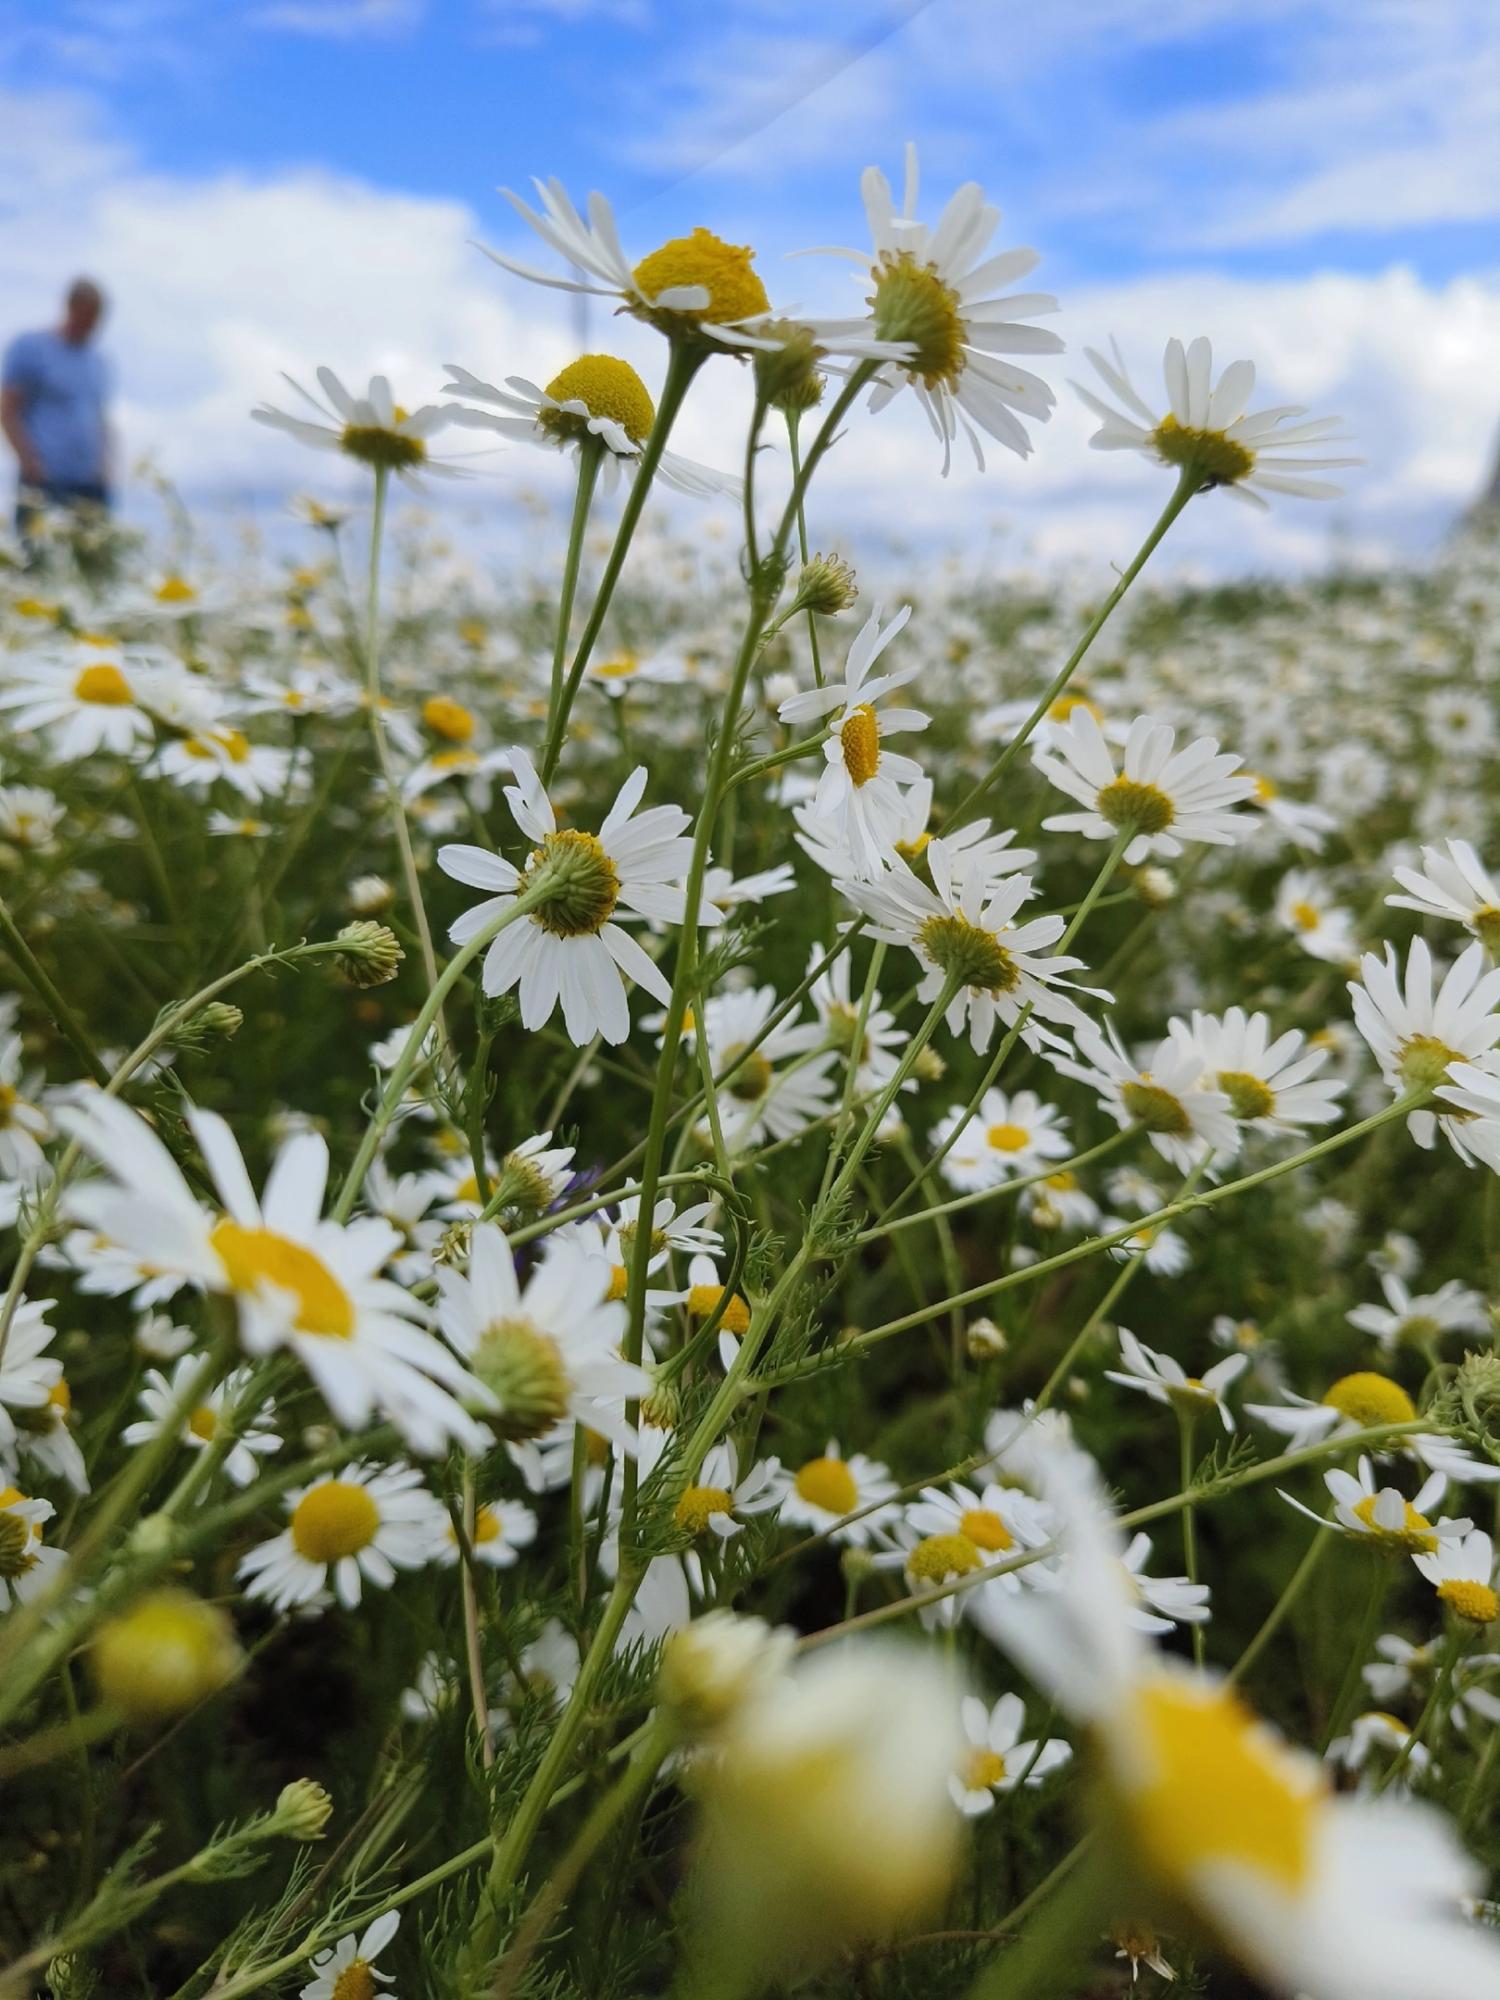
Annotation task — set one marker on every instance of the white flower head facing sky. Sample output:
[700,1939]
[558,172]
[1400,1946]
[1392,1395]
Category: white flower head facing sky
[1206,428]
[299,1281]
[570,949]
[595,399]
[1161,796]
[1455,886]
[358,1525]
[963,927]
[1165,1095]
[372,429]
[1423,1031]
[937,287]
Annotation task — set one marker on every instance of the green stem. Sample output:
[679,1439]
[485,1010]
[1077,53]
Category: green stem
[590,458]
[1301,1576]
[37,976]
[1187,1423]
[1380,1583]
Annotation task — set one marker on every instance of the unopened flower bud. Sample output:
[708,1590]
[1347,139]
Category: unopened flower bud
[217,1022]
[303,1809]
[929,1066]
[1155,887]
[787,377]
[826,585]
[368,954]
[985,1340]
[525,1372]
[370,894]
[165,1653]
[857,1566]
[712,1667]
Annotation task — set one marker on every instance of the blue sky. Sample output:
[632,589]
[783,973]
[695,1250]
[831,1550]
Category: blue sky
[1330,163]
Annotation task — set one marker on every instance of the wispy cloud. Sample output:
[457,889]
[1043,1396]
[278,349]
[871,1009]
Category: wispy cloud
[340,20]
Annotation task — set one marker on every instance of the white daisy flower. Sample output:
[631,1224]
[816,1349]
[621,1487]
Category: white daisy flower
[824,1491]
[568,948]
[1376,1737]
[1420,1319]
[207,756]
[299,1282]
[1360,1402]
[963,925]
[1206,430]
[823,842]
[935,288]
[1418,1031]
[502,1528]
[1321,927]
[995,1759]
[720,1499]
[546,1350]
[1160,1601]
[1456,886]
[28,1373]
[1166,1381]
[1271,1085]
[1313,1891]
[348,1971]
[1304,825]
[957,1530]
[727,892]
[1382,1515]
[359,1525]
[1059,1202]
[1163,1251]
[95,697]
[26,1561]
[161,1395]
[1006,1138]
[783,1085]
[372,428]
[1187,1123]
[860,786]
[23,1122]
[838,1008]
[1463,1575]
[594,399]
[30,816]
[1163,797]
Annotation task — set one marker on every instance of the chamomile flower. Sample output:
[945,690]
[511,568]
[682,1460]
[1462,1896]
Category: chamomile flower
[372,429]
[1419,1028]
[1363,1401]
[595,399]
[94,697]
[720,1498]
[299,1282]
[860,788]
[348,1972]
[1463,1575]
[1456,886]
[959,1531]
[1206,432]
[995,1759]
[1165,1096]
[1420,1319]
[30,816]
[1375,1737]
[161,1395]
[1161,796]
[28,1373]
[26,1561]
[780,1083]
[877,1056]
[963,928]
[222,753]
[823,1492]
[935,287]
[23,1122]
[1008,1137]
[1159,1602]
[545,1350]
[502,1528]
[1165,1380]
[1381,1516]
[1061,1201]
[568,948]
[823,842]
[1319,924]
[1271,1085]
[357,1526]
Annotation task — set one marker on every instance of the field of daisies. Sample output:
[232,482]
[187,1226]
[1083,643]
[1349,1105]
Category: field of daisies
[726,1276]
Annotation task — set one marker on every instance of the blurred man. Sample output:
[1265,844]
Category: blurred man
[54,386]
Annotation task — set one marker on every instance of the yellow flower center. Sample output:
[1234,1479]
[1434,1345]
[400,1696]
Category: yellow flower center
[621,668]
[698,1506]
[17,1536]
[60,1396]
[1423,1060]
[975,955]
[725,270]
[1067,702]
[486,1526]
[913,850]
[1265,789]
[231,743]
[1216,1789]
[334,1520]
[1248,1096]
[827,1483]
[1305,917]
[1474,1602]
[859,739]
[985,1529]
[174,590]
[446,717]
[704,1299]
[1156,1109]
[1008,1138]
[983,1768]
[104,685]
[912,303]
[586,887]
[1219,459]
[938,1557]
[1485,925]
[619,1282]
[606,388]
[256,1258]
[1368,1399]
[355,1982]
[203,1423]
[1414,1533]
[752,1076]
[1127,803]
[383,450]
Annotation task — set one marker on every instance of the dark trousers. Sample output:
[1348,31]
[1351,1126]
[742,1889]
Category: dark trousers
[33,501]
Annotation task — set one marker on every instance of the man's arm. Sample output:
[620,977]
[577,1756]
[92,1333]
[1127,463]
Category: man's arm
[13,423]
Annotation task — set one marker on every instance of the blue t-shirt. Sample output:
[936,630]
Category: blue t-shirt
[63,389]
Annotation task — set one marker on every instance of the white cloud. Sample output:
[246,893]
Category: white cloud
[340,20]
